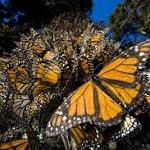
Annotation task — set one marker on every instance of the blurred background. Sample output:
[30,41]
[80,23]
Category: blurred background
[128,20]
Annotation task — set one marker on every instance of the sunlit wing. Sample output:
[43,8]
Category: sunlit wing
[88,103]
[125,95]
[148,99]
[124,70]
[49,55]
[48,72]
[121,71]
[123,78]
[14,145]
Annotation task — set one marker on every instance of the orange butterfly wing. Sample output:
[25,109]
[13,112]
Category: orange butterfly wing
[15,145]
[125,68]
[122,76]
[46,69]
[148,99]
[85,137]
[48,72]
[19,79]
[39,87]
[88,103]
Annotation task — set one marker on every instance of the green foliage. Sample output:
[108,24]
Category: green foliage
[131,16]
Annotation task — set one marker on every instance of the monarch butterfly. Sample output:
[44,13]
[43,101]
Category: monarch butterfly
[45,68]
[92,35]
[38,102]
[98,51]
[19,79]
[34,43]
[15,145]
[86,137]
[38,87]
[104,101]
[148,99]
[20,103]
[86,66]
[93,41]
[48,72]
[49,55]
[96,38]
[3,63]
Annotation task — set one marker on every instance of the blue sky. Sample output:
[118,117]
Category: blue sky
[102,9]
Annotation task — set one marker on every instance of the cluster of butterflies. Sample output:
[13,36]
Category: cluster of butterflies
[79,97]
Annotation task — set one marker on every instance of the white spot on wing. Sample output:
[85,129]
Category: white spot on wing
[141,54]
[136,49]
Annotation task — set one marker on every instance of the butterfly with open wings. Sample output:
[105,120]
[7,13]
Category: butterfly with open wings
[118,88]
